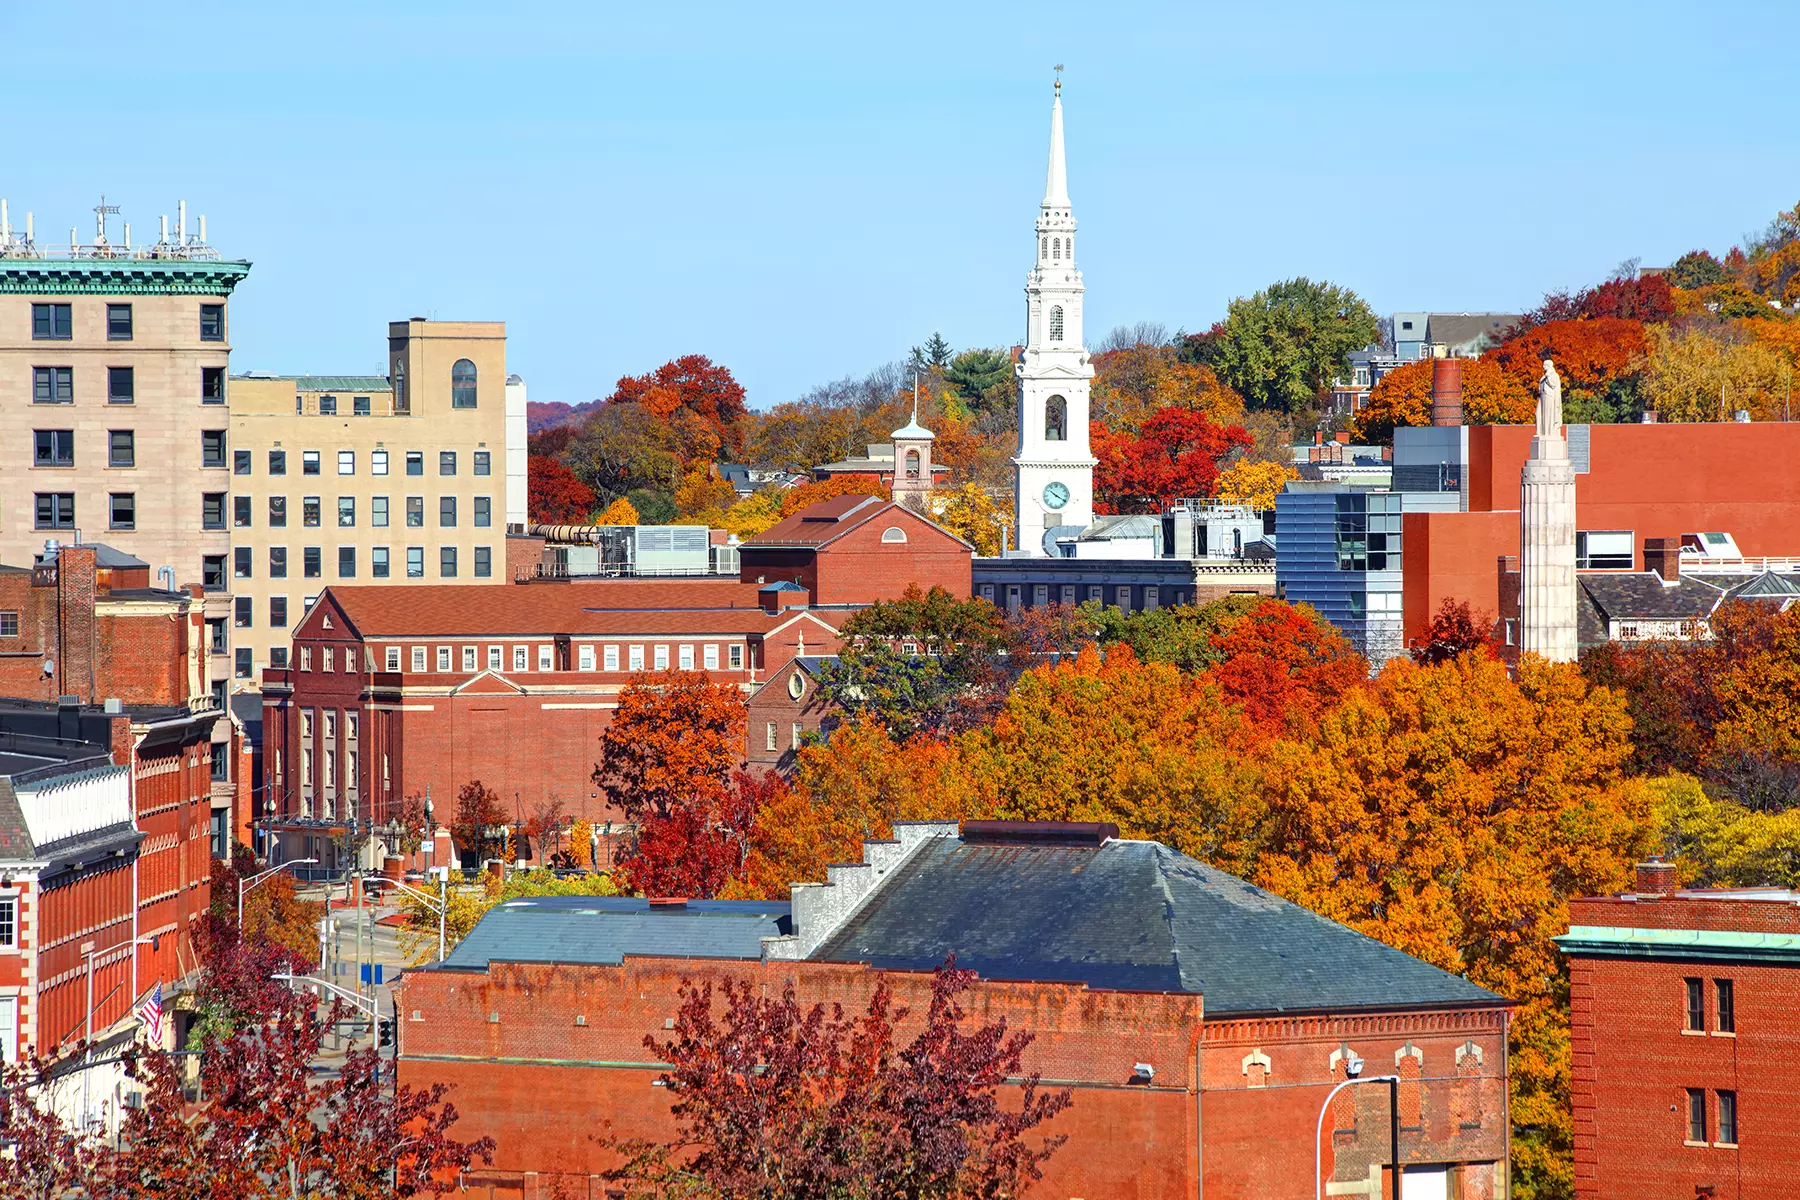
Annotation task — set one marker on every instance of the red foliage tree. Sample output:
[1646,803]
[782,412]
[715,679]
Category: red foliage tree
[1646,298]
[1456,630]
[1589,354]
[477,828]
[693,383]
[774,1100]
[667,762]
[796,498]
[553,495]
[1177,454]
[1284,666]
[44,1160]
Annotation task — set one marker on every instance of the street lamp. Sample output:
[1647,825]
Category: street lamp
[440,906]
[1393,1082]
[245,885]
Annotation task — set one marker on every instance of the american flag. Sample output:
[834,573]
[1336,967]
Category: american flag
[150,1013]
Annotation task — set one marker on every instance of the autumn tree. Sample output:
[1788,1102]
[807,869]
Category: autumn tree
[1491,395]
[1283,665]
[796,498]
[1598,360]
[44,1158]
[1177,455]
[1455,630]
[1184,635]
[1702,373]
[1256,483]
[666,764]
[1133,383]
[619,512]
[1718,842]
[773,1101]
[479,827]
[971,514]
[554,495]
[692,384]
[1282,347]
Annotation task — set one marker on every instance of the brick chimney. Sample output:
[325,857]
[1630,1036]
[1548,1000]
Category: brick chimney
[1655,877]
[1446,391]
[1663,555]
[76,585]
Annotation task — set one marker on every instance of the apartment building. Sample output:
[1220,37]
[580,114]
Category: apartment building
[341,480]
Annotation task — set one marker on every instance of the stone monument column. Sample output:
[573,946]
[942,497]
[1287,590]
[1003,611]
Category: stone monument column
[1547,533]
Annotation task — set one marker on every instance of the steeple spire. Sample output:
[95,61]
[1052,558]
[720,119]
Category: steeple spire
[1056,184]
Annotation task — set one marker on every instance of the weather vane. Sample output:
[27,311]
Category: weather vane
[1059,77]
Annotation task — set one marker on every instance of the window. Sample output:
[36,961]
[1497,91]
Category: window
[53,385]
[415,512]
[9,624]
[1056,323]
[212,572]
[447,562]
[637,658]
[306,717]
[446,462]
[215,636]
[378,462]
[735,657]
[240,462]
[796,731]
[359,406]
[1696,1005]
[346,511]
[1728,1133]
[311,563]
[484,512]
[710,657]
[118,322]
[212,510]
[121,510]
[378,562]
[1056,419]
[212,322]
[612,658]
[1603,551]
[495,658]
[418,659]
[54,447]
[277,512]
[55,510]
[240,512]
[684,657]
[309,462]
[446,512]
[521,658]
[278,612]
[1055,249]
[277,562]
[52,322]
[328,406]
[1726,1014]
[241,615]
[278,462]
[443,659]
[772,737]
[482,463]
[309,511]
[212,385]
[544,660]
[484,562]
[346,462]
[240,562]
[1696,1115]
[415,562]
[469,658]
[585,657]
[212,447]
[661,658]
[346,562]
[462,384]
[415,462]
[121,388]
[278,657]
[306,603]
[392,657]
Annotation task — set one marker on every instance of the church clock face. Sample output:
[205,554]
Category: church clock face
[1056,495]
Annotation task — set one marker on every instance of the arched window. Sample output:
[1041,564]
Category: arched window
[1070,247]
[893,533]
[1043,247]
[1056,420]
[1056,250]
[462,384]
[1056,322]
[912,464]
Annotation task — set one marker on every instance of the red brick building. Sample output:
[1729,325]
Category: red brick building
[786,710]
[1201,1022]
[1683,1008]
[856,550]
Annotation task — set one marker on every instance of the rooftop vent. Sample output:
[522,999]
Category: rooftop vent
[668,901]
[1039,833]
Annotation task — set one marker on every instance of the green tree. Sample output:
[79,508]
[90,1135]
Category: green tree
[934,355]
[975,373]
[1696,269]
[653,507]
[1183,635]
[1283,346]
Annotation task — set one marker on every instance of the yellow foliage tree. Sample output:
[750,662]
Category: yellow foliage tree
[754,513]
[1720,843]
[971,514]
[581,842]
[1708,373]
[619,512]
[1132,384]
[702,493]
[1255,483]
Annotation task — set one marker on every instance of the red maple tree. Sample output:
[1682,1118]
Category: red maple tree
[1589,354]
[1284,666]
[553,495]
[1176,454]
[773,1099]
[693,383]
[1456,630]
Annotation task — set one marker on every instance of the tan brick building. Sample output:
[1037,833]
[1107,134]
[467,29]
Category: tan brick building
[356,480]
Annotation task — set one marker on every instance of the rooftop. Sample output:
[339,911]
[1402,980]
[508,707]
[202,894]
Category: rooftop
[324,383]
[604,929]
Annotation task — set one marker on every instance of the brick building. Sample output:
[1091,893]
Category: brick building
[856,550]
[1684,1031]
[1200,1022]
[786,710]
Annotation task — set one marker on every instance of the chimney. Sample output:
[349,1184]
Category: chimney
[1663,555]
[1446,391]
[1341,438]
[76,590]
[1655,877]
[1318,437]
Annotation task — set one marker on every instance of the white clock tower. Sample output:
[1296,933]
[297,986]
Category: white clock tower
[1053,471]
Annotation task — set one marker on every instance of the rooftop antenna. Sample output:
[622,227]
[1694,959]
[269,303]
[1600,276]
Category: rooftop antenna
[915,395]
[5,225]
[102,210]
[181,222]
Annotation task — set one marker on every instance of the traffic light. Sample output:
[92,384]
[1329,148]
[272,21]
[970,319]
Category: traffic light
[384,1032]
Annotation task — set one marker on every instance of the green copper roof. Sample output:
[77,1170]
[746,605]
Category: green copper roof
[119,277]
[328,383]
[1611,941]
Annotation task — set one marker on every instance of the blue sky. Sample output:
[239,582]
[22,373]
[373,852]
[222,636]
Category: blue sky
[803,192]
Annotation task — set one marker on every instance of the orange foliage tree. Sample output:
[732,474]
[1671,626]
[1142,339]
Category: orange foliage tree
[692,384]
[1132,384]
[1589,354]
[1283,665]
[797,498]
[1491,396]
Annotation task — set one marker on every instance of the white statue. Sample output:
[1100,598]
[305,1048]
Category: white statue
[1549,413]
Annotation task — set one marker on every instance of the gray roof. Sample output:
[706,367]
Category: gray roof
[1471,330]
[604,929]
[1129,525]
[1133,916]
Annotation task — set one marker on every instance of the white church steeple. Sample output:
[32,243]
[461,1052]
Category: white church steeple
[1053,471]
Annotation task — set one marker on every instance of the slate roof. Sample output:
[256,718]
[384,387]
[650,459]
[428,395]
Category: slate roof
[819,523]
[1639,595]
[601,930]
[1469,330]
[1134,916]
